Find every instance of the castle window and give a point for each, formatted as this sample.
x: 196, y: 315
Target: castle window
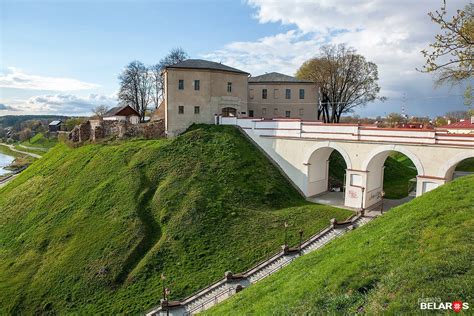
x: 196, y: 85
x: 196, y: 110
x: 180, y: 109
x: 264, y: 93
x: 229, y: 87
x: 288, y: 94
x: 301, y: 94
x: 181, y: 84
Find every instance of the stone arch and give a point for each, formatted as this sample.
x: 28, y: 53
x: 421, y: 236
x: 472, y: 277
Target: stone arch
x: 375, y: 161
x: 447, y: 170
x: 332, y: 145
x: 387, y: 149
x: 317, y: 161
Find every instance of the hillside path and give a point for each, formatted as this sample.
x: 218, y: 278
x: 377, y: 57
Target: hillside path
x: 33, y: 148
x: 20, y: 151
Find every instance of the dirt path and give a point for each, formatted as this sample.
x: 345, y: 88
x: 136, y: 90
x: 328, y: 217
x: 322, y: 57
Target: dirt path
x: 12, y: 148
x: 33, y: 148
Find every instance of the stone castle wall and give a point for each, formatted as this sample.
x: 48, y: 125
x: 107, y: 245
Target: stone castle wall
x: 95, y: 130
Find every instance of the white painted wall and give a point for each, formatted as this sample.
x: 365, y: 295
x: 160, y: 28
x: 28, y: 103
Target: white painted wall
x: 302, y: 150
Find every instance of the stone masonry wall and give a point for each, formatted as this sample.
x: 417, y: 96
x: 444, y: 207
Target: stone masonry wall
x: 95, y: 130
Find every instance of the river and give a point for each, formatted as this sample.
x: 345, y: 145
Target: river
x: 5, y: 160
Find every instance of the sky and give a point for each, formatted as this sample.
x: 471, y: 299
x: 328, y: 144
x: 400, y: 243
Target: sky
x: 64, y: 57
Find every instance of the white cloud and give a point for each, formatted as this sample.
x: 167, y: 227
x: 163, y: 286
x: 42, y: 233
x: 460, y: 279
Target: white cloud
x: 389, y: 33
x: 66, y: 104
x: 15, y: 78
x: 4, y: 107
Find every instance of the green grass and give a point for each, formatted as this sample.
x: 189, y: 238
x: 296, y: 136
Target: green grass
x: 41, y: 141
x: 466, y: 165
x: 90, y: 230
x: 397, y: 174
x: 424, y: 248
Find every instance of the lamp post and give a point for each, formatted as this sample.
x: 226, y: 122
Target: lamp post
x: 362, y: 200
x: 382, y: 194
x: 286, y: 234
x: 301, y: 240
x: 166, y: 293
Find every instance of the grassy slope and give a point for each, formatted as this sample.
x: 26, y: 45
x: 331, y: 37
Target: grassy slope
x: 398, y: 171
x: 41, y: 141
x: 91, y: 229
x: 421, y: 249
x: 466, y: 165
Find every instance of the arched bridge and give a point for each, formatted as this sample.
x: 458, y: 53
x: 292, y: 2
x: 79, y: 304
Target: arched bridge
x: 302, y: 150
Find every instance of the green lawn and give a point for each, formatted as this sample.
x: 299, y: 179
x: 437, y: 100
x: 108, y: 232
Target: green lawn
x: 423, y: 249
x: 90, y: 230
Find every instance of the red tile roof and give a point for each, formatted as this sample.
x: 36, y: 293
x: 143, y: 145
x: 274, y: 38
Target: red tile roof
x: 464, y: 124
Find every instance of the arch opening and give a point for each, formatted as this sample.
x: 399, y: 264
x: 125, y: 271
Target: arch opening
x: 462, y: 168
x: 392, y: 175
x: 326, y: 175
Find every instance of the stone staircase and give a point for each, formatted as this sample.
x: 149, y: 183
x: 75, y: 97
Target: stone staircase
x: 234, y: 283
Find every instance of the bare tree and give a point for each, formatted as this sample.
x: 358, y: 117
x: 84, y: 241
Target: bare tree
x: 176, y: 55
x: 345, y: 79
x: 100, y: 110
x: 136, y: 87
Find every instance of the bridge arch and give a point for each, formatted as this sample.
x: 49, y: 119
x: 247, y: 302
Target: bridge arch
x: 317, y: 160
x: 374, y: 165
x: 447, y: 170
x: 385, y: 150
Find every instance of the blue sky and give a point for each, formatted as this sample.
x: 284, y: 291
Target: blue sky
x: 63, y: 57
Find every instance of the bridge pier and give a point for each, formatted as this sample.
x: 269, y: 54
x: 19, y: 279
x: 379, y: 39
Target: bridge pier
x: 356, y: 183
x: 426, y: 183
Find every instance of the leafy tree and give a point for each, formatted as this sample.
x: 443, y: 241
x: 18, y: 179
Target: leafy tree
x: 345, y: 80
x: 440, y: 121
x: 136, y: 87
x: 395, y: 118
x: 451, y: 55
x: 72, y: 122
x: 176, y: 55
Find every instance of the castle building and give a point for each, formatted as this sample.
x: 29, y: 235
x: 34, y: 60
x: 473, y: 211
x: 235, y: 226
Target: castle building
x: 199, y: 91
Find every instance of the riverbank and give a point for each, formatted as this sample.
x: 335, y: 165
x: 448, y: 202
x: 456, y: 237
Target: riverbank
x: 21, y: 160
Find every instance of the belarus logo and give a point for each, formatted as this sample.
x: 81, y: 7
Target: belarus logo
x: 437, y: 304
x: 457, y: 306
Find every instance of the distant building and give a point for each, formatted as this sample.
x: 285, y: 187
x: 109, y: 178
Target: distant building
x: 122, y: 113
x: 415, y: 125
x: 199, y: 91
x: 55, y: 126
x: 461, y: 127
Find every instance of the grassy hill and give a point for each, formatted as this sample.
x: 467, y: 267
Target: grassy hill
x: 421, y: 249
x: 90, y: 230
x: 40, y: 140
x: 466, y: 165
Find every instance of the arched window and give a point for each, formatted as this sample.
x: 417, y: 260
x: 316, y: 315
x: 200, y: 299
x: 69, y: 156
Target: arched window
x: 229, y: 112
